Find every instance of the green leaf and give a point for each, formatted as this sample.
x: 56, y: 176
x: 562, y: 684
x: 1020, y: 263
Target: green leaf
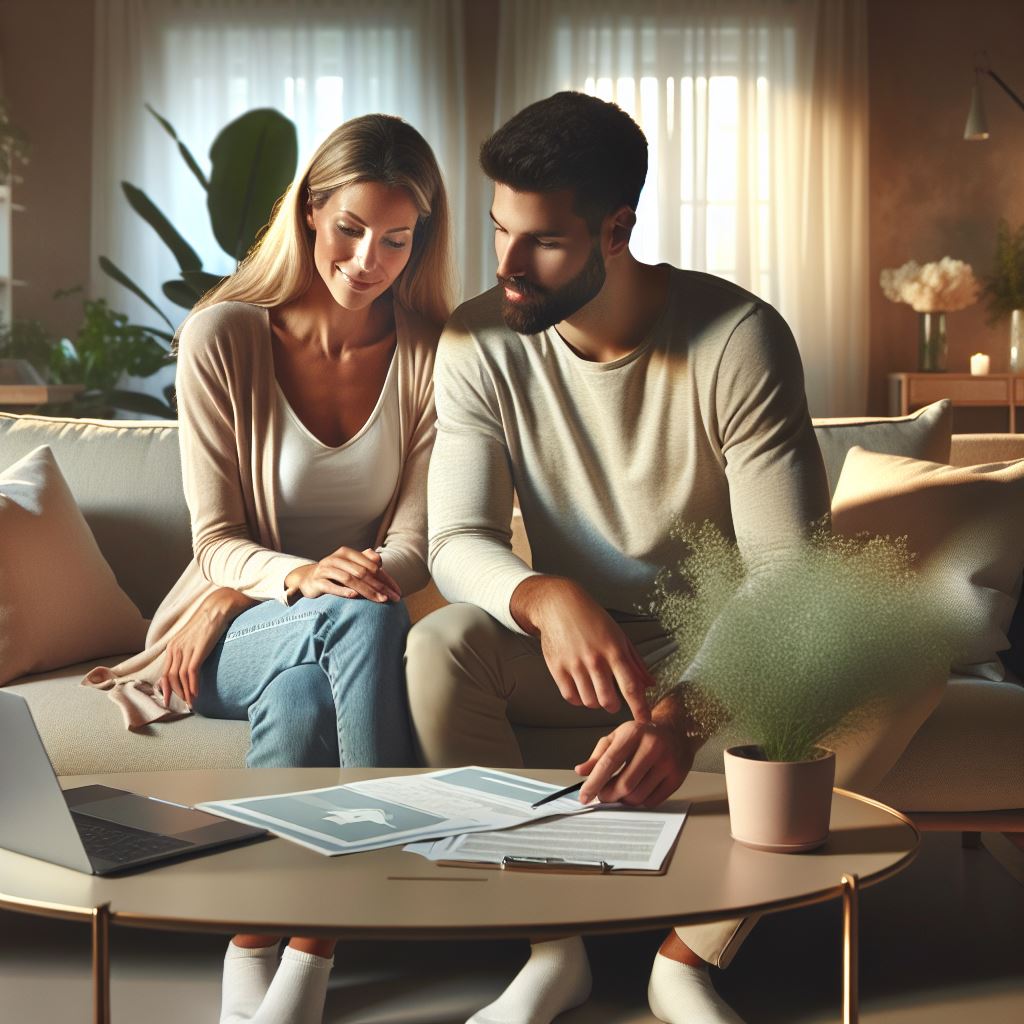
x: 187, y: 257
x: 112, y: 270
x: 186, y: 154
x: 157, y: 333
x: 201, y: 281
x: 252, y: 162
x: 136, y: 401
x: 181, y: 293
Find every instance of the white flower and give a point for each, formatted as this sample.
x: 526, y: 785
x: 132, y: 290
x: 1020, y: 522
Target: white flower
x: 945, y: 286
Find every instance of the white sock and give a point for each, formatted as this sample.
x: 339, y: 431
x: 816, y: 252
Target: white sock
x: 247, y: 976
x: 681, y: 994
x: 555, y: 978
x: 298, y: 991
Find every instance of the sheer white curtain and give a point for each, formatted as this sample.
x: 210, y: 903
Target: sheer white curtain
x: 201, y: 63
x: 756, y: 117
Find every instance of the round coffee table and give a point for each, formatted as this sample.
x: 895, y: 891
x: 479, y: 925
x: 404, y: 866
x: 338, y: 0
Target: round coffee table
x: 277, y: 887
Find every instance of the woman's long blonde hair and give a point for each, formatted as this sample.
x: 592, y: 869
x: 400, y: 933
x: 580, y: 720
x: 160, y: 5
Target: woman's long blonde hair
x: 378, y: 148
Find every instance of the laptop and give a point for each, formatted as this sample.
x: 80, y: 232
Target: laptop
x: 94, y: 829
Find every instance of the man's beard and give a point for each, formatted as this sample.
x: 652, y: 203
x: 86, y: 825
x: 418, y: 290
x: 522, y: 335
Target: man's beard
x: 543, y: 308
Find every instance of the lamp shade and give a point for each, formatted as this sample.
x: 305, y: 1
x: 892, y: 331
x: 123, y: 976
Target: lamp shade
x: 976, y: 129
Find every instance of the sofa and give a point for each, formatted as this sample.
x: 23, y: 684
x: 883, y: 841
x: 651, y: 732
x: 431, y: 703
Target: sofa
x: 967, y: 759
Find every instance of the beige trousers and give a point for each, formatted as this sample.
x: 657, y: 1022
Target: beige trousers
x: 470, y: 680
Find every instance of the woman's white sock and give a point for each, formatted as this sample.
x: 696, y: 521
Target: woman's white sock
x: 297, y: 993
x: 681, y: 994
x: 247, y: 976
x: 554, y: 979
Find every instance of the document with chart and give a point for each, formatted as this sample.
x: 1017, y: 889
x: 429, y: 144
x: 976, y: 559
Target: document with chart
x: 399, y: 809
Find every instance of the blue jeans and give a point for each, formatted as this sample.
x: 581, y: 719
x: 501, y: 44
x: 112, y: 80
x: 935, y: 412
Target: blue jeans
x: 321, y: 683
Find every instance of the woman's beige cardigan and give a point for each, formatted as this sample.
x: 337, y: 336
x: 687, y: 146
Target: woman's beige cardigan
x: 227, y: 411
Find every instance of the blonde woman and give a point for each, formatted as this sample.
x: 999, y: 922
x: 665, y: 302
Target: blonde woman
x: 306, y: 407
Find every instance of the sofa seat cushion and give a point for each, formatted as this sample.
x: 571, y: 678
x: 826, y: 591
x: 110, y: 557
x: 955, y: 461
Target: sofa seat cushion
x: 968, y: 755
x: 83, y: 731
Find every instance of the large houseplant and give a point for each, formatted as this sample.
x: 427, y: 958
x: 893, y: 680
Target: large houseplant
x: 252, y: 162
x: 795, y: 655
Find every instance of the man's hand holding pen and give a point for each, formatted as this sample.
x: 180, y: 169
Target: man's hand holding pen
x: 640, y: 763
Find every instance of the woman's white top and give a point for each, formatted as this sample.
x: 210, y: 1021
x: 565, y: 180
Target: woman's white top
x: 328, y: 497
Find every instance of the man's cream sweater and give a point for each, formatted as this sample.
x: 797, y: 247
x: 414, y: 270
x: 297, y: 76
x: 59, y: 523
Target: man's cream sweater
x: 706, y: 419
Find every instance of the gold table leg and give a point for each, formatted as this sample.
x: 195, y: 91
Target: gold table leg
x: 101, y: 964
x: 851, y: 1009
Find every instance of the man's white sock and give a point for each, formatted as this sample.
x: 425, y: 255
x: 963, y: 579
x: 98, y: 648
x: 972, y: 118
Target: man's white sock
x: 555, y: 978
x: 247, y: 976
x: 298, y: 991
x: 681, y: 994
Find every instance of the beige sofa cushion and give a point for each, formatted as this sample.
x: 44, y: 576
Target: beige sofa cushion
x: 126, y: 478
x: 924, y: 434
x: 963, y: 522
x: 83, y: 731
x: 59, y: 601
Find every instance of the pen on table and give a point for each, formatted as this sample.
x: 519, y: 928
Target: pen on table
x: 575, y: 787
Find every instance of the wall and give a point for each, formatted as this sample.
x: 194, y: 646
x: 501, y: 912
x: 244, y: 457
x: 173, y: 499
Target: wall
x: 932, y: 193
x: 46, y: 56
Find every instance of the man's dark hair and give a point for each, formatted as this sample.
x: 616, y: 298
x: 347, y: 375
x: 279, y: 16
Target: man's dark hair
x: 574, y: 141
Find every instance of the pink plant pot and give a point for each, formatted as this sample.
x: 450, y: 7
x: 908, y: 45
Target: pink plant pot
x: 782, y: 806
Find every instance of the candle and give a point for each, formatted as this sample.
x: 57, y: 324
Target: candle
x: 979, y: 363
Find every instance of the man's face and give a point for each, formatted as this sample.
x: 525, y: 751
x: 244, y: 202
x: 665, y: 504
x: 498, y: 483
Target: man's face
x: 549, y: 264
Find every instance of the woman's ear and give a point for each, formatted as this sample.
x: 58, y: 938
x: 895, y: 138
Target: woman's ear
x: 309, y: 215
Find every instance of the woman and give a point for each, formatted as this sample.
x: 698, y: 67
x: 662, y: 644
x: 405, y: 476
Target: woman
x: 306, y: 422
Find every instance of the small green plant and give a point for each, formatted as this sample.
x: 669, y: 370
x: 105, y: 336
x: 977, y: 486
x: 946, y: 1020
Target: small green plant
x: 105, y: 348
x: 14, y: 145
x: 806, y: 650
x: 1004, y: 287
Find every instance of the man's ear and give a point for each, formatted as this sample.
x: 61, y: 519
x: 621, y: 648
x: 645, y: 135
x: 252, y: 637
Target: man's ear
x: 620, y: 228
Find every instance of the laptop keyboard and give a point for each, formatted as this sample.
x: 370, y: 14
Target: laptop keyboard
x: 121, y: 844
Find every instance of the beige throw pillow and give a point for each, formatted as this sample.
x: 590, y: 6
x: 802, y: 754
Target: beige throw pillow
x: 964, y: 523
x: 924, y: 434
x: 59, y: 600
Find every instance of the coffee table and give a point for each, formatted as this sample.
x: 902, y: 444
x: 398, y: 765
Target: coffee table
x: 276, y: 887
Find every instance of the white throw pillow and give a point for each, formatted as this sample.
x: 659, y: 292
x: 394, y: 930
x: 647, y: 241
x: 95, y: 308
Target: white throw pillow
x: 925, y: 434
x: 963, y: 522
x: 59, y: 600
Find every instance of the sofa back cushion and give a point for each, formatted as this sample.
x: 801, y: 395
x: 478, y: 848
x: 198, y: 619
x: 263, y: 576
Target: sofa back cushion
x: 924, y: 434
x: 126, y: 478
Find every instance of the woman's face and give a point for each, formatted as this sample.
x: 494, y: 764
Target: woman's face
x: 363, y: 240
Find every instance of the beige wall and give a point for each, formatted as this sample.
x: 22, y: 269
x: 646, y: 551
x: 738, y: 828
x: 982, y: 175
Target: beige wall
x: 932, y: 193
x: 46, y: 56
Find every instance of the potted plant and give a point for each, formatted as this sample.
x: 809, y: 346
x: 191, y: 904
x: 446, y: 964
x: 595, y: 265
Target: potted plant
x: 793, y: 656
x: 1004, y: 289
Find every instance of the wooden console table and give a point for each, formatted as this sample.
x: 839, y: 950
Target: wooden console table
x: 909, y: 391
x: 38, y: 394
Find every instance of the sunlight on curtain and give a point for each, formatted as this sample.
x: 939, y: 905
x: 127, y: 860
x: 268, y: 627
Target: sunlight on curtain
x: 755, y: 115
x: 201, y: 63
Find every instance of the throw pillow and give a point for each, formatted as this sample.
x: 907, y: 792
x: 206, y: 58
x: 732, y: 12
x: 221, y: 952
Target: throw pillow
x: 924, y: 434
x: 59, y: 600
x: 964, y: 524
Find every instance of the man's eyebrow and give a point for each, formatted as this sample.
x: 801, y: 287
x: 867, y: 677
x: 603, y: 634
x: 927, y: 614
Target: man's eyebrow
x: 532, y: 234
x: 358, y: 219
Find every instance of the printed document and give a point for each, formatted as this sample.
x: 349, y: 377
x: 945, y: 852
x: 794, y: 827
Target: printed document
x: 398, y: 809
x: 624, y: 839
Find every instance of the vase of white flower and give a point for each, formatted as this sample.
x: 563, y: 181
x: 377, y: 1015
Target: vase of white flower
x: 931, y: 342
x: 933, y: 290
x: 781, y: 806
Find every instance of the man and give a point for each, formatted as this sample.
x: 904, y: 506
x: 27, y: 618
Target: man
x: 612, y: 397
